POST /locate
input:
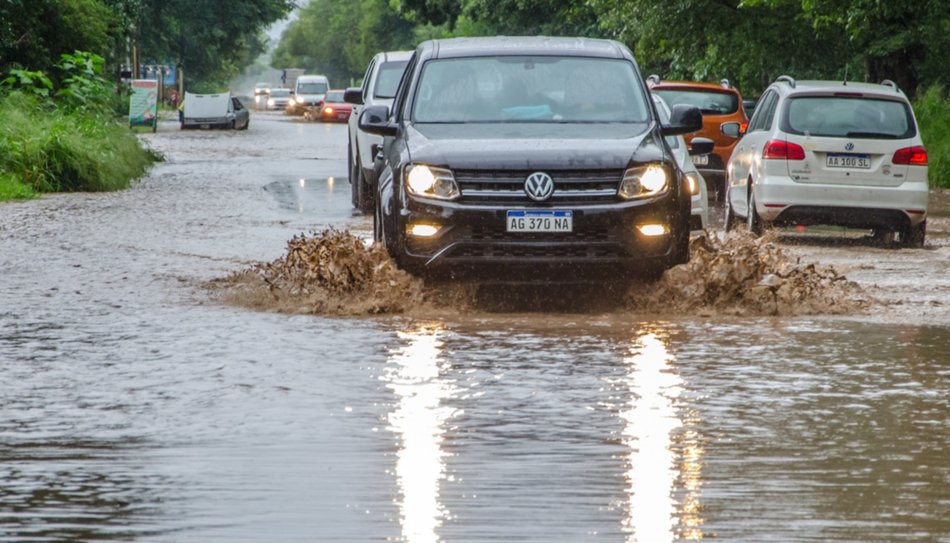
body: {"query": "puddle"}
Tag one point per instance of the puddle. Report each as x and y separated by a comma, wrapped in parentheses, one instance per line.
(335, 273)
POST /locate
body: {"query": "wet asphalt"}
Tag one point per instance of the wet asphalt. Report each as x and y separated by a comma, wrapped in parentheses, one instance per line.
(135, 407)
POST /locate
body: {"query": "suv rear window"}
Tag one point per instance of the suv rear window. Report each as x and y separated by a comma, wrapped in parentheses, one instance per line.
(709, 102)
(388, 78)
(848, 117)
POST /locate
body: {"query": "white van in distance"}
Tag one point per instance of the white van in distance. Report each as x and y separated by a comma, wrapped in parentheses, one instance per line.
(309, 91)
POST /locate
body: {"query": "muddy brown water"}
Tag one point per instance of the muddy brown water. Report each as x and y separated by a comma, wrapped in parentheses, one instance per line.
(134, 406)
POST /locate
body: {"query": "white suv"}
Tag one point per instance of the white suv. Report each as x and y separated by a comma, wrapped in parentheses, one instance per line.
(833, 153)
(379, 87)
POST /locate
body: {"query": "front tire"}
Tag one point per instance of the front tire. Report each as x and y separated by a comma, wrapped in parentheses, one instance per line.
(913, 237)
(365, 188)
(354, 188)
(755, 223)
(731, 221)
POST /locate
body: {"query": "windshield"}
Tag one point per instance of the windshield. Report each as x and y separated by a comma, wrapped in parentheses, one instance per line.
(388, 78)
(709, 102)
(848, 117)
(312, 88)
(278, 93)
(334, 96)
(537, 89)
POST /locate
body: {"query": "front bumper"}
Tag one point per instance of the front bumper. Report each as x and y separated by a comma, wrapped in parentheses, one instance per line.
(604, 237)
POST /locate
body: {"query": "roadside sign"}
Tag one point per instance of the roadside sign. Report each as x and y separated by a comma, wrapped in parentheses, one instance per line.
(143, 104)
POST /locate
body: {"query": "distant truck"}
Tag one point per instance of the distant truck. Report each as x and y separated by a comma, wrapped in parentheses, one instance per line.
(213, 111)
(289, 77)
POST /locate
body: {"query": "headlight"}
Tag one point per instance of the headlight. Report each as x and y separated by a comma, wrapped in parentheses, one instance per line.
(692, 182)
(291, 102)
(271, 102)
(431, 182)
(328, 110)
(643, 181)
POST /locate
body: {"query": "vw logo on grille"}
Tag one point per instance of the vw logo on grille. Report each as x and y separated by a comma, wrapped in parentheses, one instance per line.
(848, 146)
(539, 186)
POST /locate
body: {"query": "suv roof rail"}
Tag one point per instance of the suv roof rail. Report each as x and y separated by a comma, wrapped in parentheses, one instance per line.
(788, 79)
(725, 83)
(653, 79)
(891, 84)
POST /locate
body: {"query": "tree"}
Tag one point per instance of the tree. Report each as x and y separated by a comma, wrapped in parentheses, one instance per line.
(212, 40)
(906, 41)
(35, 33)
(338, 38)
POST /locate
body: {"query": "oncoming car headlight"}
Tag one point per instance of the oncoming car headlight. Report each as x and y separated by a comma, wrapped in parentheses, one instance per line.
(291, 102)
(643, 181)
(431, 182)
(271, 102)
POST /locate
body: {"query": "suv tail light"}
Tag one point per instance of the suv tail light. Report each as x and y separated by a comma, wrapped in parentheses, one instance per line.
(783, 149)
(912, 156)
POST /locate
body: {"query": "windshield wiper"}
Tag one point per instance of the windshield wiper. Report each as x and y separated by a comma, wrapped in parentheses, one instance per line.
(883, 135)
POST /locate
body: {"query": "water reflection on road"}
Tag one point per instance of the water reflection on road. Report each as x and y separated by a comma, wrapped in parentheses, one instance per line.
(134, 408)
(655, 468)
(415, 374)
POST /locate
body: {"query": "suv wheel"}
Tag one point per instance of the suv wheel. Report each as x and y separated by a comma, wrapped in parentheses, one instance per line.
(755, 223)
(354, 188)
(882, 236)
(914, 236)
(377, 224)
(365, 190)
(731, 221)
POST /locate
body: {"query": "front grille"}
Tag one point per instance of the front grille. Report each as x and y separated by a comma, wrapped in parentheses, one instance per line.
(507, 186)
(552, 251)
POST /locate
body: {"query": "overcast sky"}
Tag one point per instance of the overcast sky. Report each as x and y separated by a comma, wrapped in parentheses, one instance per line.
(278, 28)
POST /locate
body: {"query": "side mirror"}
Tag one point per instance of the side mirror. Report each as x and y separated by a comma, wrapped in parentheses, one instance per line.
(732, 129)
(375, 120)
(683, 120)
(353, 95)
(701, 146)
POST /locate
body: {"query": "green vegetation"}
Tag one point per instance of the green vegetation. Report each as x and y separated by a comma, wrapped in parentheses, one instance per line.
(47, 149)
(211, 42)
(932, 109)
(64, 138)
(749, 42)
(58, 106)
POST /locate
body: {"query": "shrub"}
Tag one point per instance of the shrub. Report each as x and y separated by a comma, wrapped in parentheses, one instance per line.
(932, 109)
(47, 148)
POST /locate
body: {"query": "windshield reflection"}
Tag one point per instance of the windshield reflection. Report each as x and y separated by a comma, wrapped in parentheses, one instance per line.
(416, 374)
(665, 457)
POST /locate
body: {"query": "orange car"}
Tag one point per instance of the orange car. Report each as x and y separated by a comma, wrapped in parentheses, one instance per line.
(720, 103)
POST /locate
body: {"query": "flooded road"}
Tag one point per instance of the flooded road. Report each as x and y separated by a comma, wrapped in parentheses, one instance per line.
(134, 406)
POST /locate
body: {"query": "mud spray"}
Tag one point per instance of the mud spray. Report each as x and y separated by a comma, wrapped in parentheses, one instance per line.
(334, 273)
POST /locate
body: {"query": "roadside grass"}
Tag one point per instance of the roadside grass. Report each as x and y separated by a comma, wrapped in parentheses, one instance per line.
(48, 149)
(932, 109)
(12, 189)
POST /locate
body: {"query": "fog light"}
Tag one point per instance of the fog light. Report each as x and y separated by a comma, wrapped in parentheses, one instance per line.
(653, 229)
(423, 230)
